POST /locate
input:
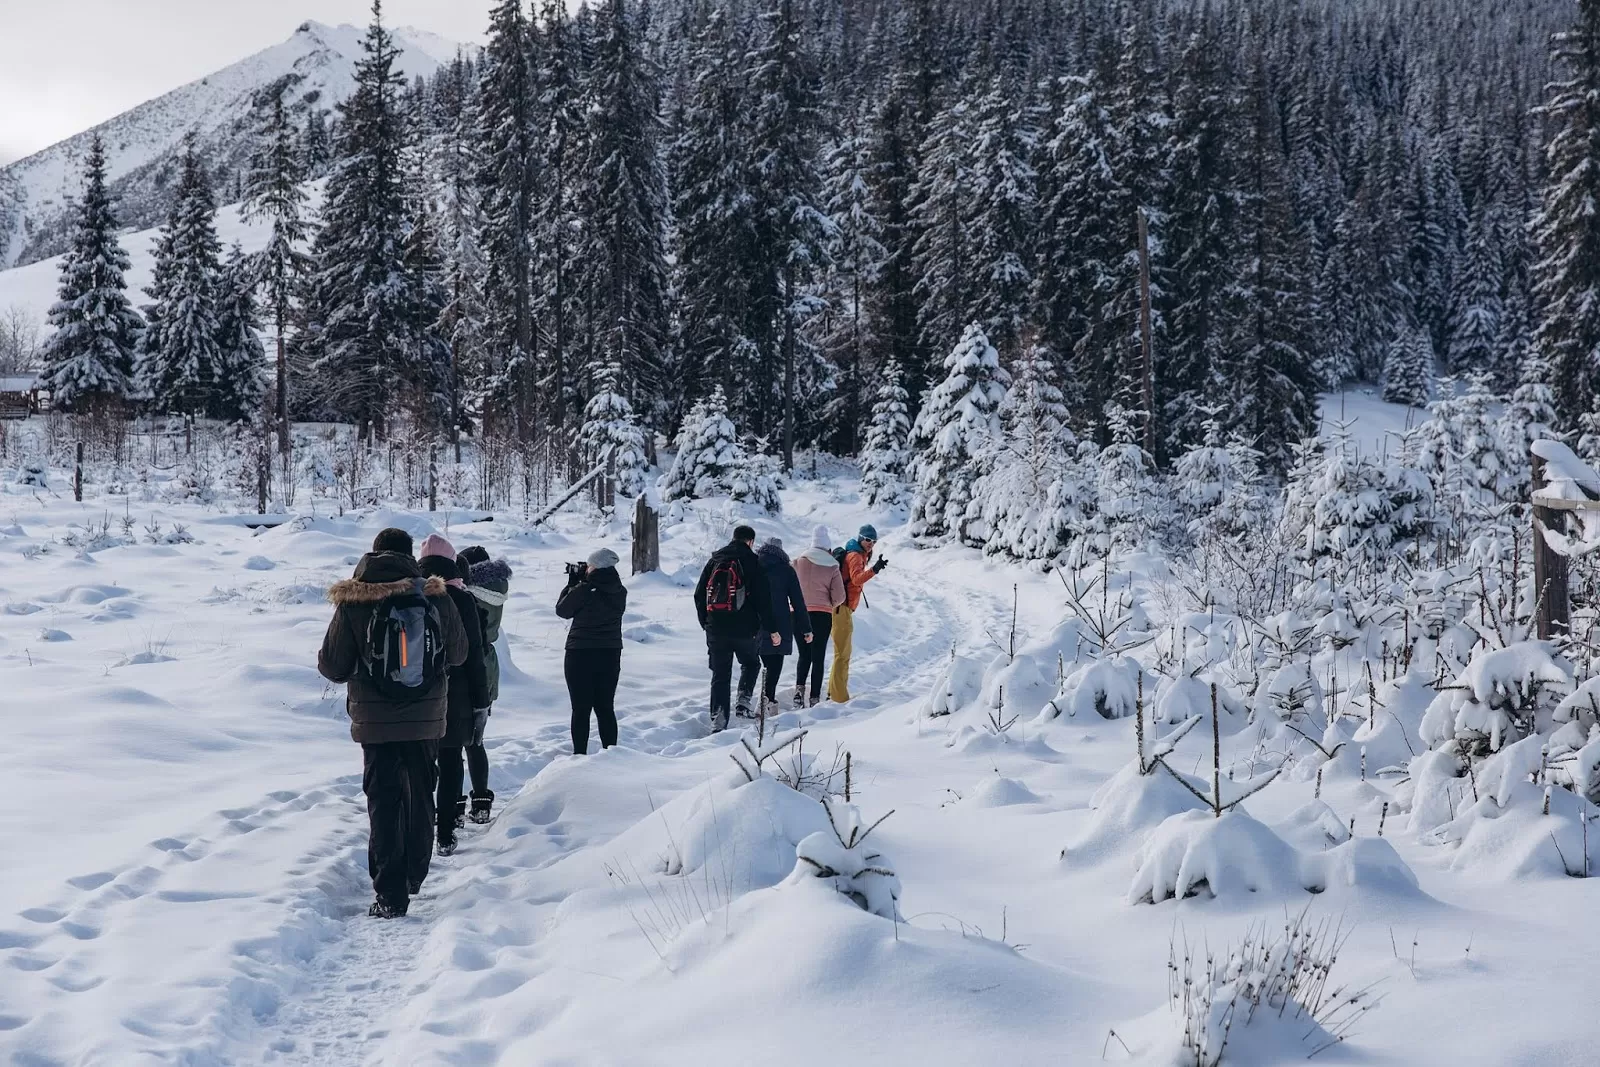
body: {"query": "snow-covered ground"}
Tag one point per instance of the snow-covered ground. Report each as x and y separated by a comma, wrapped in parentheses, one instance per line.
(185, 879)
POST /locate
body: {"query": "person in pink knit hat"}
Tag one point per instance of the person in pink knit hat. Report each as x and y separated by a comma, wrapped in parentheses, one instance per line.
(468, 696)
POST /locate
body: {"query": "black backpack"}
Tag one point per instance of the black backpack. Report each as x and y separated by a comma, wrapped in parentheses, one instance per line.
(404, 652)
(725, 588)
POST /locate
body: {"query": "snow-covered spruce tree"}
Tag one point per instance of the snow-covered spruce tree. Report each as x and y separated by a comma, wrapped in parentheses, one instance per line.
(709, 454)
(355, 306)
(1476, 312)
(1567, 231)
(628, 213)
(1530, 415)
(425, 363)
(241, 358)
(792, 232)
(609, 423)
(848, 330)
(944, 198)
(1461, 448)
(757, 478)
(1219, 485)
(1032, 496)
(88, 361)
(1343, 506)
(461, 322)
(565, 269)
(1085, 210)
(274, 193)
(1004, 223)
(957, 428)
(1126, 514)
(506, 154)
(886, 453)
(178, 367)
(1407, 371)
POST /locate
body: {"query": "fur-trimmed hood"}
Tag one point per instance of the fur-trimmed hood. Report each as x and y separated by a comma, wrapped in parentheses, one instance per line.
(381, 575)
(356, 591)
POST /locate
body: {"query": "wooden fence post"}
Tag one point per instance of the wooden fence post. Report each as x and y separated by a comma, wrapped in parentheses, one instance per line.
(1549, 566)
(646, 537)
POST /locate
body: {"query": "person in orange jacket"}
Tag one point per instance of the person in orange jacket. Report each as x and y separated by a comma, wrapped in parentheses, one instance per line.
(858, 571)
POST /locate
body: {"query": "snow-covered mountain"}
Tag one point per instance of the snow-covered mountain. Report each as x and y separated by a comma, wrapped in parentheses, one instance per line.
(317, 64)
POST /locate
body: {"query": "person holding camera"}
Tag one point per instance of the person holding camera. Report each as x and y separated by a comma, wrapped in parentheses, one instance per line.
(858, 568)
(594, 599)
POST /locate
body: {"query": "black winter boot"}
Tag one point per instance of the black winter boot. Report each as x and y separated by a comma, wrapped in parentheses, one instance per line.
(482, 803)
(461, 812)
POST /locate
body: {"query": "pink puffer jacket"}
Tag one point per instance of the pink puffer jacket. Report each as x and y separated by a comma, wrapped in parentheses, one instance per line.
(820, 579)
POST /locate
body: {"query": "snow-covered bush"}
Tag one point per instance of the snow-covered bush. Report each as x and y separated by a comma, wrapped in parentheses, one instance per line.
(1196, 852)
(842, 857)
(1504, 695)
(957, 428)
(886, 451)
(1108, 688)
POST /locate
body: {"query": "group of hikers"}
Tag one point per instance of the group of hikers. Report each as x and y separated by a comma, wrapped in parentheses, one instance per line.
(413, 637)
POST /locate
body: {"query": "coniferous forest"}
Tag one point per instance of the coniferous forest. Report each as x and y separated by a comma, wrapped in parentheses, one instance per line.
(1177, 222)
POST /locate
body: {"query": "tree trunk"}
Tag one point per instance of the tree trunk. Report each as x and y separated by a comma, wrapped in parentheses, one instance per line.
(788, 368)
(646, 537)
(283, 390)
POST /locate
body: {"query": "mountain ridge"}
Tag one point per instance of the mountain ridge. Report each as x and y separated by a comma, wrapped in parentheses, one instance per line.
(315, 66)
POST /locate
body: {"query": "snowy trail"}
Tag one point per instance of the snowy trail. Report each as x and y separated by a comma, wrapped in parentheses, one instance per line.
(355, 990)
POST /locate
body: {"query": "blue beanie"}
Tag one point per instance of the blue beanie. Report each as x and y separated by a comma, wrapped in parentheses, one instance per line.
(868, 532)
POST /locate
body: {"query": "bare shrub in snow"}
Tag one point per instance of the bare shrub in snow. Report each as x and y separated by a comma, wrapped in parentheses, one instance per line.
(1273, 977)
(858, 872)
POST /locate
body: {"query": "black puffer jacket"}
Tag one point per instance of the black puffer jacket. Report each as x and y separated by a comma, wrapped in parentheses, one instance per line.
(469, 683)
(374, 718)
(595, 606)
(755, 615)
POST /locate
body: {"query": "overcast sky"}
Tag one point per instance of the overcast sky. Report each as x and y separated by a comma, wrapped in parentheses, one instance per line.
(66, 65)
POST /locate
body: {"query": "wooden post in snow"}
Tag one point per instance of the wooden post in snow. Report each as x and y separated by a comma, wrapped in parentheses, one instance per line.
(646, 537)
(1147, 361)
(77, 476)
(1549, 566)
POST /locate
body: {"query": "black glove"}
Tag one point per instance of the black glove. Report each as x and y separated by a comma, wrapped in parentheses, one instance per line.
(878, 567)
(480, 721)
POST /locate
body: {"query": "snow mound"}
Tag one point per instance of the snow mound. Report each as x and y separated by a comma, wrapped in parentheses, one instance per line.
(1127, 805)
(958, 686)
(1108, 688)
(842, 857)
(48, 634)
(1313, 827)
(1000, 792)
(1508, 836)
(259, 563)
(1367, 863)
(1196, 852)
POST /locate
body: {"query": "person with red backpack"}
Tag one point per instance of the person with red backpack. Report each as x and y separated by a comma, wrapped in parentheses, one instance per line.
(735, 609)
(393, 638)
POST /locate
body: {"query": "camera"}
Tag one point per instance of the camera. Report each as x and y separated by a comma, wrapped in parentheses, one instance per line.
(577, 570)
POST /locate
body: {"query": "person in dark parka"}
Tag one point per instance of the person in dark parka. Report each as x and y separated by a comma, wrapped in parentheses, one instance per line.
(399, 738)
(788, 613)
(489, 582)
(734, 634)
(469, 687)
(595, 600)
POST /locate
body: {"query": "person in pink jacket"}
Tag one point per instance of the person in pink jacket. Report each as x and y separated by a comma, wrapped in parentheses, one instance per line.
(822, 585)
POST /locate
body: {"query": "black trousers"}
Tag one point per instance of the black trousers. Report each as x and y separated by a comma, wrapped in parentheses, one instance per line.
(398, 778)
(478, 768)
(815, 654)
(592, 675)
(772, 664)
(723, 651)
(448, 801)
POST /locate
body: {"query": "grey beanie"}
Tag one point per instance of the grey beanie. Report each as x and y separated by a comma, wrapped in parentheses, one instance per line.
(775, 542)
(602, 558)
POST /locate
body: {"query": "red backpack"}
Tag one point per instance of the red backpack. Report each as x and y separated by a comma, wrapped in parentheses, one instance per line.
(725, 589)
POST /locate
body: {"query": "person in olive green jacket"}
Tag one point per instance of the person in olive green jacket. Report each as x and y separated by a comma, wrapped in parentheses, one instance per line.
(489, 582)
